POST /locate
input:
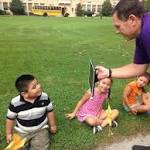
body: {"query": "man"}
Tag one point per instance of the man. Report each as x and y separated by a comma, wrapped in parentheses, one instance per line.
(131, 22)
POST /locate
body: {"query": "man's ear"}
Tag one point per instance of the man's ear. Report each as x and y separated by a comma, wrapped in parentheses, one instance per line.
(133, 20)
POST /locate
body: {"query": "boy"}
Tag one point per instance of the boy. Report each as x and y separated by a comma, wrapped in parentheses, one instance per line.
(31, 112)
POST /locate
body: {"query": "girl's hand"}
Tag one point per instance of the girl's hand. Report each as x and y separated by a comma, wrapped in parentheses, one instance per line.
(70, 116)
(8, 138)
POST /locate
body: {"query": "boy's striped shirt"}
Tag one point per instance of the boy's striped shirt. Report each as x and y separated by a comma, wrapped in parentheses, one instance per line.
(30, 117)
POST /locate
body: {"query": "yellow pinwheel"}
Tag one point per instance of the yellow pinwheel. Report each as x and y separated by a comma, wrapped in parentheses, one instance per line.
(109, 119)
(16, 143)
(109, 115)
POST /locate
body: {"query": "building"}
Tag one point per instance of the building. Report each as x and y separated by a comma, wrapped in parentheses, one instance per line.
(69, 5)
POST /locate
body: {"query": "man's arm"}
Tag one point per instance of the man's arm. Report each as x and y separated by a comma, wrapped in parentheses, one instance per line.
(127, 71)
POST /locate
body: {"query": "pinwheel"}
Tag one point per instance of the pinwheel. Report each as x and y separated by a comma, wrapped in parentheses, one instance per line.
(109, 119)
(16, 143)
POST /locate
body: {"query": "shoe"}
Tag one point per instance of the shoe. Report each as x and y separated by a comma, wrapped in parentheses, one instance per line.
(114, 124)
(99, 128)
(94, 129)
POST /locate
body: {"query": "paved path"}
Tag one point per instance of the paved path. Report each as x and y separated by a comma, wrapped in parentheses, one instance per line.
(128, 143)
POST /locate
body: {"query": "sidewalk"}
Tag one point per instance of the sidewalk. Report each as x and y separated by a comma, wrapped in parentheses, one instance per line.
(128, 143)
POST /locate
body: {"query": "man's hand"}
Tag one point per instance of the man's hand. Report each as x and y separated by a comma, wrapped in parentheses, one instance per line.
(102, 72)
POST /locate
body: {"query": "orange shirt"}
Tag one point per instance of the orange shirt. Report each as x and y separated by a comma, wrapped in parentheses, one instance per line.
(135, 96)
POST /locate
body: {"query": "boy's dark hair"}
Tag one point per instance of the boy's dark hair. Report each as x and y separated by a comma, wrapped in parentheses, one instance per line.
(125, 8)
(23, 81)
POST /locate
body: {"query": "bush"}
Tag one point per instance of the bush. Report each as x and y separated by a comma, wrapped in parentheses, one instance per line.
(66, 14)
(2, 12)
(88, 13)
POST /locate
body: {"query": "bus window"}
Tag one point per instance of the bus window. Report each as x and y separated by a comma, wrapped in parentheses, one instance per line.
(44, 7)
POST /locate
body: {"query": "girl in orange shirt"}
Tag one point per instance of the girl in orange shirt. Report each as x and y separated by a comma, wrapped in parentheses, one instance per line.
(134, 93)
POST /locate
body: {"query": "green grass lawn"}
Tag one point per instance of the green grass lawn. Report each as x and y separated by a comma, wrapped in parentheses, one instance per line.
(57, 52)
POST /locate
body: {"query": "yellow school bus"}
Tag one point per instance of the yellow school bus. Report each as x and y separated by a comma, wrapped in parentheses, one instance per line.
(47, 11)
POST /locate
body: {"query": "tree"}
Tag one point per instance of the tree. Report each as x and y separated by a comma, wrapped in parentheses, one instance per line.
(147, 5)
(2, 12)
(17, 8)
(79, 11)
(106, 8)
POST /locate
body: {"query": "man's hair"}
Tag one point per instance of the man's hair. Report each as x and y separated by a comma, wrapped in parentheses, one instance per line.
(125, 8)
(23, 81)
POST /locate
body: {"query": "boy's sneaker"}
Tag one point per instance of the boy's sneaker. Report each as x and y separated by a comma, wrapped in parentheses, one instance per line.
(97, 129)
(114, 124)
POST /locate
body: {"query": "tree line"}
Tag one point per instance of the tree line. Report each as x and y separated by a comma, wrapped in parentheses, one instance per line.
(16, 7)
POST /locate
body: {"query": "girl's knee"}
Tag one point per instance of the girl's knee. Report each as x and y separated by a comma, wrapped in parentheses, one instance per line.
(91, 121)
(116, 112)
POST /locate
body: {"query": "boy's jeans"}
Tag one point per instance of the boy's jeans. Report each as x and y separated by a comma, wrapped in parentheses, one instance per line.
(38, 140)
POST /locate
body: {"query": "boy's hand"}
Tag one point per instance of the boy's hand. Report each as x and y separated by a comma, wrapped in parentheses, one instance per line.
(70, 116)
(53, 129)
(8, 138)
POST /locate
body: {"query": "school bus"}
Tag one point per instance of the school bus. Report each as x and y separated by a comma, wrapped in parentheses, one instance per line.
(47, 11)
